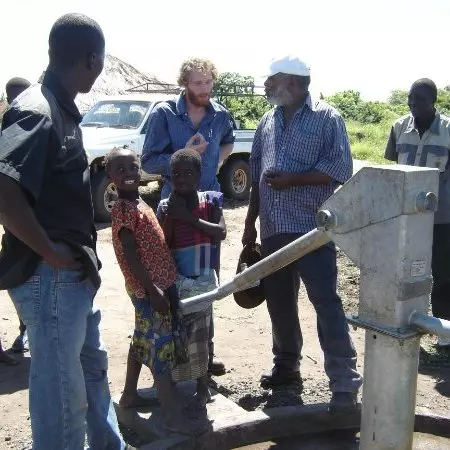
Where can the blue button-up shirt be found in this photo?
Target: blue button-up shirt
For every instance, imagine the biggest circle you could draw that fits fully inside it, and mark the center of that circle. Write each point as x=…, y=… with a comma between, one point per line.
x=314, y=140
x=170, y=128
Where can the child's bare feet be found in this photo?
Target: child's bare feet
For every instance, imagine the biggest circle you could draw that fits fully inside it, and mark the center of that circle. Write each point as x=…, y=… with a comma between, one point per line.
x=175, y=421
x=137, y=401
x=196, y=405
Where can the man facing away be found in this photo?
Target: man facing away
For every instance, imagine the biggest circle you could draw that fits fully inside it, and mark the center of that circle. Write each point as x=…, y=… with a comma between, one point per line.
x=48, y=261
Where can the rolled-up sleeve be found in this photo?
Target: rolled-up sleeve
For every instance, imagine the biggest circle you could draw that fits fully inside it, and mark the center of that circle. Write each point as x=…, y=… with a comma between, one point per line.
x=255, y=155
x=157, y=148
x=335, y=159
x=228, y=135
x=24, y=148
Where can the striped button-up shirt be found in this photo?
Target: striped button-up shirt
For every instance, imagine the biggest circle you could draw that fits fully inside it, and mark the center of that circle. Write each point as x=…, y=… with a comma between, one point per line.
x=314, y=140
x=405, y=146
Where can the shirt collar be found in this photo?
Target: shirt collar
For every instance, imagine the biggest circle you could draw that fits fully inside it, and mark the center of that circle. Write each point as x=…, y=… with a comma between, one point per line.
x=52, y=82
x=434, y=127
x=181, y=105
x=310, y=103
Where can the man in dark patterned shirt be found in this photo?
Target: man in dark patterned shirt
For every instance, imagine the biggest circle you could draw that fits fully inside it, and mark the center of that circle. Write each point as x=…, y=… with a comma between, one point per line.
x=300, y=155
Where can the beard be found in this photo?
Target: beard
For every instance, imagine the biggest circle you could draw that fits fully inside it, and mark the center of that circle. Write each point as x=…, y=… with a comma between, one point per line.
x=198, y=100
x=279, y=97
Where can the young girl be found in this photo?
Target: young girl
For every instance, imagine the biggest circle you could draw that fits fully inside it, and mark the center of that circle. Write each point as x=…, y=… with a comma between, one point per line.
x=150, y=276
x=193, y=225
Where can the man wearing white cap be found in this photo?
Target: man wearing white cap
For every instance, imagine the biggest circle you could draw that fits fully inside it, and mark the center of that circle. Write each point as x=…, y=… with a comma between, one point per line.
x=300, y=155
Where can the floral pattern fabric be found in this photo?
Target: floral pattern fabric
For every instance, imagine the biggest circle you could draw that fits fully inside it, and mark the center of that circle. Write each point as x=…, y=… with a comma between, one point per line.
x=152, y=248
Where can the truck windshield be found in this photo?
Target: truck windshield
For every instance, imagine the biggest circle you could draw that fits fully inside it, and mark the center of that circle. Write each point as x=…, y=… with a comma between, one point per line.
x=116, y=114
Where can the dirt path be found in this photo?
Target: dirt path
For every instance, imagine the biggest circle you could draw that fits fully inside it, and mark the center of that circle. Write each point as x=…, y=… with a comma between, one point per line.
x=243, y=341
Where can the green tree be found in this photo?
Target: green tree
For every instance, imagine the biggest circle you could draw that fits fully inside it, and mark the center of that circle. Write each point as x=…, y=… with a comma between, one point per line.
x=398, y=97
x=237, y=93
x=443, y=100
x=352, y=107
x=230, y=83
x=347, y=103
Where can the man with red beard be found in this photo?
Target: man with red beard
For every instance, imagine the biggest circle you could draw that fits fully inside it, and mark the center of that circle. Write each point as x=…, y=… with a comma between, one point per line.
x=192, y=120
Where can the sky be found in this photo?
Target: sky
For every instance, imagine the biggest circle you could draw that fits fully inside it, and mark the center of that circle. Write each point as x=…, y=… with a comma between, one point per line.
x=365, y=45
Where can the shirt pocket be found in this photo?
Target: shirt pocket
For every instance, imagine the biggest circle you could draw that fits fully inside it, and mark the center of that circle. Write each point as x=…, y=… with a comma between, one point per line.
x=304, y=151
x=406, y=153
x=437, y=157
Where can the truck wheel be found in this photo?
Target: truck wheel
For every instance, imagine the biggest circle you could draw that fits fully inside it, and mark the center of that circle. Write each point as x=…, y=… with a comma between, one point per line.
x=235, y=179
x=104, y=195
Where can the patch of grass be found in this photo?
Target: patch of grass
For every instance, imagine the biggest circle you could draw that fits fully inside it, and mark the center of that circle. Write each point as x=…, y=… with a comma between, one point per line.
x=368, y=141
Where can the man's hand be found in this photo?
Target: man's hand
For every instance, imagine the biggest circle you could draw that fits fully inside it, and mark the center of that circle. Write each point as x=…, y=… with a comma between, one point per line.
x=279, y=180
x=159, y=301
x=250, y=234
x=61, y=256
x=177, y=209
x=197, y=143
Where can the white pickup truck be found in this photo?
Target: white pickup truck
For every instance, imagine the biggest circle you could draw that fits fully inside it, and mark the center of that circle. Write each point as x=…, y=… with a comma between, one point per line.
x=123, y=120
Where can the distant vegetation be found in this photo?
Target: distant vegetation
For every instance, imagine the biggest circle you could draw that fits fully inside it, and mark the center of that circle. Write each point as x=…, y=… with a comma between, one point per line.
x=237, y=93
x=368, y=123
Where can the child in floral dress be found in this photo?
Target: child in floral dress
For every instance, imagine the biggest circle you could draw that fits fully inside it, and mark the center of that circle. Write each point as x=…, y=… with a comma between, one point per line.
x=150, y=276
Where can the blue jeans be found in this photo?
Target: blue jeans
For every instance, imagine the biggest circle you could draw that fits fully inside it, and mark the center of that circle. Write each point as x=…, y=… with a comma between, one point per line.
x=318, y=272
x=68, y=380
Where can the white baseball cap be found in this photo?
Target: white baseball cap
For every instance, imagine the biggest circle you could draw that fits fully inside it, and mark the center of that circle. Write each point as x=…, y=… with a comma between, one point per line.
x=291, y=65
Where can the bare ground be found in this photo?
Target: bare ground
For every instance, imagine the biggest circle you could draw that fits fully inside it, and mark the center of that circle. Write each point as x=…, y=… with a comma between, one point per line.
x=243, y=341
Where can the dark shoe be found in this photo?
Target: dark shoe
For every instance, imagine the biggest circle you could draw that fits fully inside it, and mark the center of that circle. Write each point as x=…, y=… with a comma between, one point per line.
x=20, y=345
x=280, y=377
x=216, y=367
x=343, y=402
